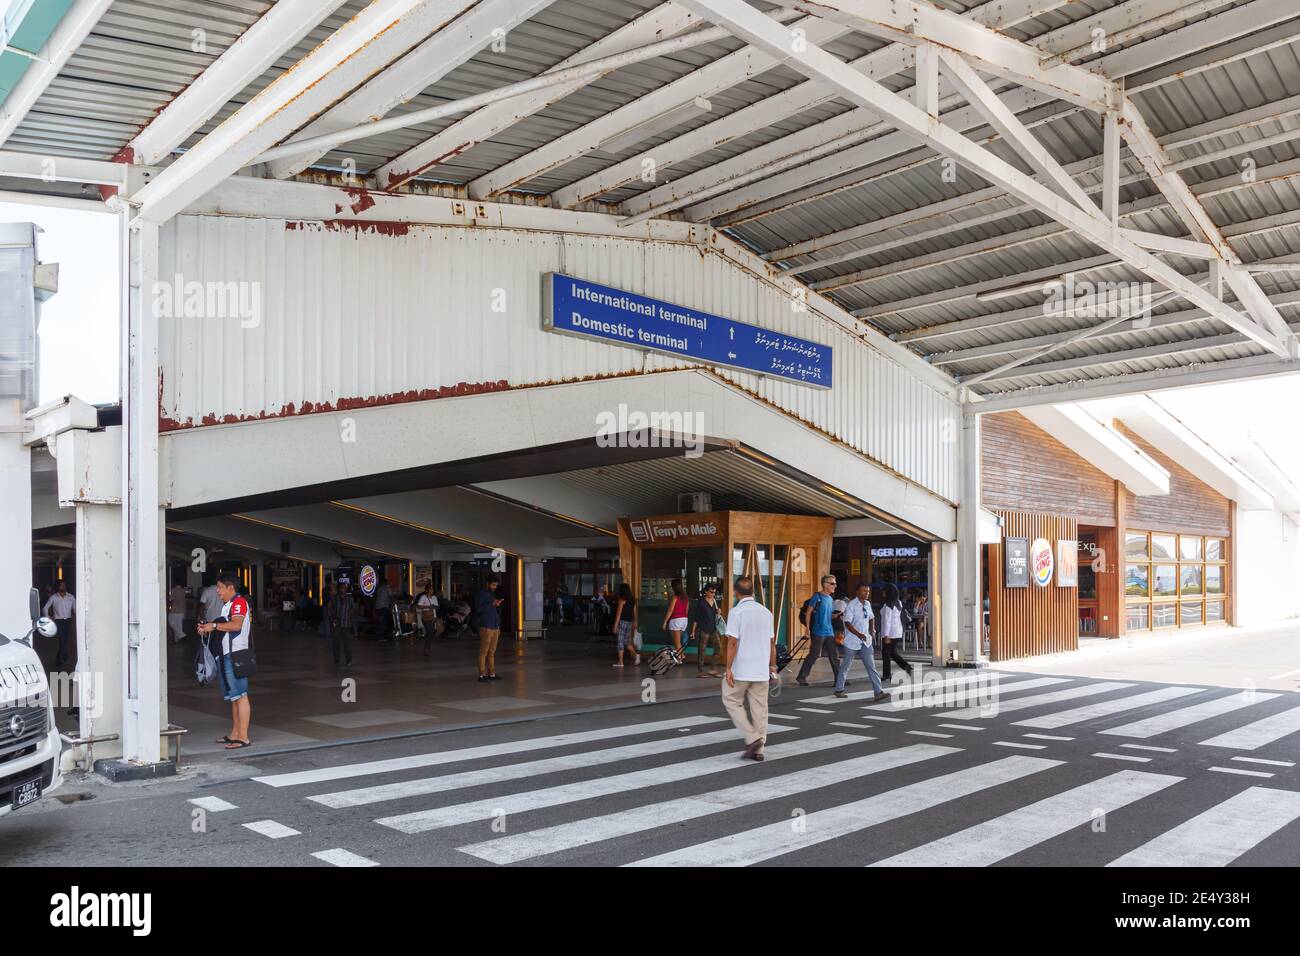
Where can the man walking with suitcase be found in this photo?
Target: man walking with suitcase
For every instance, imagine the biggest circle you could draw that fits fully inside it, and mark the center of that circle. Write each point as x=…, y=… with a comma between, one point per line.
x=751, y=664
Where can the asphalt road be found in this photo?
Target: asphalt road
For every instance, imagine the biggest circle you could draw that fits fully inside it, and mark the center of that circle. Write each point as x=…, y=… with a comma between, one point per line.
x=1042, y=770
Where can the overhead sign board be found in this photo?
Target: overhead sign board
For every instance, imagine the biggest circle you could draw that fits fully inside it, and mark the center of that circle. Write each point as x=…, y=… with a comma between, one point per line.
x=578, y=307
x=1016, y=562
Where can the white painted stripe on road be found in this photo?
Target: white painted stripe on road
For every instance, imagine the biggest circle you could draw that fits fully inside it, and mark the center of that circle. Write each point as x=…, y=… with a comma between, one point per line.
x=999, y=706
x=490, y=775
x=780, y=838
x=1271, y=763
x=424, y=820
x=341, y=857
x=567, y=836
x=891, y=720
x=929, y=694
x=911, y=694
x=1012, y=743
x=1131, y=758
x=1184, y=716
x=1106, y=708
x=1261, y=732
x=1241, y=773
x=814, y=710
x=1147, y=747
x=987, y=843
x=1220, y=834
x=1046, y=737
x=269, y=828
x=960, y=727
x=345, y=771
x=845, y=723
x=213, y=804
x=928, y=733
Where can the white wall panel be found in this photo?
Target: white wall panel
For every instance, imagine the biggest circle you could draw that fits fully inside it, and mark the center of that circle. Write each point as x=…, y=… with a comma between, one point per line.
x=355, y=314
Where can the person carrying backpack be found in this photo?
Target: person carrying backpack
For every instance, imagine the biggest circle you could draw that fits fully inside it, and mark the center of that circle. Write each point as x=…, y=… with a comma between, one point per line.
x=819, y=621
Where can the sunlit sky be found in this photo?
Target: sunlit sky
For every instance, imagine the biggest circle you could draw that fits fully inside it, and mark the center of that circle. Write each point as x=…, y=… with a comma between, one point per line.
x=79, y=343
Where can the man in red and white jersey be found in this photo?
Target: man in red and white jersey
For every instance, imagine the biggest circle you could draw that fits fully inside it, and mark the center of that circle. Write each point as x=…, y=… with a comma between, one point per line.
x=233, y=626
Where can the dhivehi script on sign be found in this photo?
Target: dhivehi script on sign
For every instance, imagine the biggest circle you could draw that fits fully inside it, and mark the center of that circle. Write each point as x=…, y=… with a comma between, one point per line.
x=578, y=307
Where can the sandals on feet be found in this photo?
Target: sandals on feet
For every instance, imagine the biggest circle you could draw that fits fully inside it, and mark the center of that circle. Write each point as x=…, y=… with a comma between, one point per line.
x=238, y=744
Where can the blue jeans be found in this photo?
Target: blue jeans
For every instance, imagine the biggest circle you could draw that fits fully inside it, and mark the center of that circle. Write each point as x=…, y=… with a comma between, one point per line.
x=864, y=653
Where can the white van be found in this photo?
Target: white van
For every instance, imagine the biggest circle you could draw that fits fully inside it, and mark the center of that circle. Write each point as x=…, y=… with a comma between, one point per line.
x=29, y=742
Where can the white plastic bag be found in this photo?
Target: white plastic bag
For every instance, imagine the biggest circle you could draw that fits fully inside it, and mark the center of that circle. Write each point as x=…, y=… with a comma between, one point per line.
x=636, y=640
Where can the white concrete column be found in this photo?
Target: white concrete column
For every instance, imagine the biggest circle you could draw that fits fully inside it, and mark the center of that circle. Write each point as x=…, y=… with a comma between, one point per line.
x=15, y=521
x=949, y=602
x=446, y=579
x=99, y=626
x=970, y=629
x=143, y=613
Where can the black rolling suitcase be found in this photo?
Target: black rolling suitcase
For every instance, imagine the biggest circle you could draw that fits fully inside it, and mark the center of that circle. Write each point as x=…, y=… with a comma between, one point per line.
x=666, y=659
x=784, y=655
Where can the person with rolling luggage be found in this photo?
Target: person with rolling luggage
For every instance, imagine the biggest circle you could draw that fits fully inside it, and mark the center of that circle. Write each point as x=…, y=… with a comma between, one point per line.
x=751, y=666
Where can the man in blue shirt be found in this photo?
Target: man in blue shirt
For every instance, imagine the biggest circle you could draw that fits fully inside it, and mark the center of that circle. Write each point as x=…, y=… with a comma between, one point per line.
x=821, y=631
x=486, y=604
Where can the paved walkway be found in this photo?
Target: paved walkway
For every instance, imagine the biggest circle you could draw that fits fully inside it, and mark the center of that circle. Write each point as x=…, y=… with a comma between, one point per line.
x=1266, y=657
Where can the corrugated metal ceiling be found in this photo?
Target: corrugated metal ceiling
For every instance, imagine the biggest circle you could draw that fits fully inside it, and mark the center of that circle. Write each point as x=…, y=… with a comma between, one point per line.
x=144, y=52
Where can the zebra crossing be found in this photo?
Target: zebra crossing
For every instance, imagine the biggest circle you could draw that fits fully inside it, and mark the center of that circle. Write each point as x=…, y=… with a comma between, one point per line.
x=870, y=784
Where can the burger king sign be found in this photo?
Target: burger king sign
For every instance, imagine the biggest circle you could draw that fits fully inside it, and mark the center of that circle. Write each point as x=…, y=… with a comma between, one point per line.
x=1041, y=562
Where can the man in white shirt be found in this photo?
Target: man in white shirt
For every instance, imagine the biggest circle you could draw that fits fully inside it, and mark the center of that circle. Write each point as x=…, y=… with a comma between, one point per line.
x=62, y=607
x=857, y=642
x=751, y=664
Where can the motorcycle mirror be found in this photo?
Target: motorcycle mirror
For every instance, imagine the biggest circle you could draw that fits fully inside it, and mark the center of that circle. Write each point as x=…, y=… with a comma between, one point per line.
x=34, y=604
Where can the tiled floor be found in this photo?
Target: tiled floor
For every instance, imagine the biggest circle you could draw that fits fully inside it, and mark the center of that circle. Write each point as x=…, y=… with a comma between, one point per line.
x=299, y=696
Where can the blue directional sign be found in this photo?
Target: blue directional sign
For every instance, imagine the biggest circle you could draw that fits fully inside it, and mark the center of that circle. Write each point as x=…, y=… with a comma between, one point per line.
x=579, y=307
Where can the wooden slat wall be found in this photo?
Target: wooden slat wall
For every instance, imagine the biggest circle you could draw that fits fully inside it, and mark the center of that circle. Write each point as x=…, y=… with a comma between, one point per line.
x=1023, y=468
x=1032, y=620
x=1110, y=605
x=1191, y=504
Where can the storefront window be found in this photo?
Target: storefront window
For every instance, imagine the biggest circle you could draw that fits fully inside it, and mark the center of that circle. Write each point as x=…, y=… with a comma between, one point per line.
x=1164, y=615
x=1136, y=618
x=1135, y=580
x=1162, y=546
x=1135, y=545
x=1214, y=612
x=1189, y=579
x=1215, y=549
x=1190, y=613
x=1164, y=581
x=1189, y=547
x=1215, y=576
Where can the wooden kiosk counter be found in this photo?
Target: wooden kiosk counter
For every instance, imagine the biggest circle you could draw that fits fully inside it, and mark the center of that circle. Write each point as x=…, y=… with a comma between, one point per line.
x=785, y=554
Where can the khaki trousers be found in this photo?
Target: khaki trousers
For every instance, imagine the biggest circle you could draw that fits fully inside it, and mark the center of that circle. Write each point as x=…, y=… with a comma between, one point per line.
x=487, y=649
x=746, y=704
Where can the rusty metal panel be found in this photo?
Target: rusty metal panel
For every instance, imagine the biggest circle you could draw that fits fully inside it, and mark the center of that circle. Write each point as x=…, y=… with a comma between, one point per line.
x=321, y=316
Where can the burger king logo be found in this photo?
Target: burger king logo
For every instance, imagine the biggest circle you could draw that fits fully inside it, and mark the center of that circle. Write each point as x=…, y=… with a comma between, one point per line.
x=368, y=580
x=1041, y=562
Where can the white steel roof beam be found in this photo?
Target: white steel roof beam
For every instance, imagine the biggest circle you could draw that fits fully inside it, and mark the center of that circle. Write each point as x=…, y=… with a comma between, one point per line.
x=366, y=44
x=433, y=59
x=254, y=52
x=816, y=63
x=75, y=26
x=665, y=20
x=878, y=64
x=796, y=188
x=1011, y=129
x=708, y=80
x=1003, y=56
